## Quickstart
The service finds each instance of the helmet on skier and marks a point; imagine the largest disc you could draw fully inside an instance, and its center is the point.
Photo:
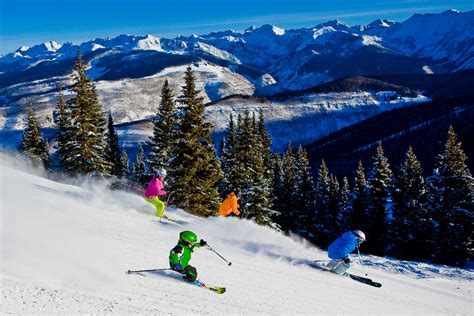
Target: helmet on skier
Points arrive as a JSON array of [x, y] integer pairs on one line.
[[161, 172], [187, 237], [359, 235]]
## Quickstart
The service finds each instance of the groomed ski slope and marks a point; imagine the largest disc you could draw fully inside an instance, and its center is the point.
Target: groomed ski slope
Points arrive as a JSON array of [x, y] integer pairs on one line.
[[64, 249]]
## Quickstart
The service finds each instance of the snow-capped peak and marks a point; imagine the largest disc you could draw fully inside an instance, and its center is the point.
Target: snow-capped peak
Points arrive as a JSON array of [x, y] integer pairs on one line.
[[149, 42]]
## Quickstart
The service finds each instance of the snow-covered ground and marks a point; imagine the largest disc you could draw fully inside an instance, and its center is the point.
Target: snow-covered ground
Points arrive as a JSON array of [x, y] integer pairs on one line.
[[65, 248]]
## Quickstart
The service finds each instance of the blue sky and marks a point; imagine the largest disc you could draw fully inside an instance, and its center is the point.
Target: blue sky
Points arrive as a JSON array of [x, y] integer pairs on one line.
[[29, 22]]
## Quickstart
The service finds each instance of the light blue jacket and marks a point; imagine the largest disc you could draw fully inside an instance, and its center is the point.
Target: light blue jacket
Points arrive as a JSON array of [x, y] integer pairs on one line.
[[343, 246]]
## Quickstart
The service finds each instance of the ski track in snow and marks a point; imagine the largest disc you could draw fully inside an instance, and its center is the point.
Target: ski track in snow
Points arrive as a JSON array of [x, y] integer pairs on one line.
[[65, 249]]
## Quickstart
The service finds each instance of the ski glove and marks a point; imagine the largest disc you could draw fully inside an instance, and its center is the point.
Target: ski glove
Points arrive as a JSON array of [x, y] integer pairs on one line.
[[178, 267], [203, 242], [347, 260]]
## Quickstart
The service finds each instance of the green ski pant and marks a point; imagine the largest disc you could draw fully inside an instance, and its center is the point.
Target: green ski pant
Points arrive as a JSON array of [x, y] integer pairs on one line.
[[160, 205]]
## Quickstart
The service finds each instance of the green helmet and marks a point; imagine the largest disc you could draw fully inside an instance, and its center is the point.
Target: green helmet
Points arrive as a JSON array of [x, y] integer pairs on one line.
[[187, 237]]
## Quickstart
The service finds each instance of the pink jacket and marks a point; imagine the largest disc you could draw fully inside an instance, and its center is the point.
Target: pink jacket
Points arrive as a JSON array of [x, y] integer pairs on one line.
[[155, 188]]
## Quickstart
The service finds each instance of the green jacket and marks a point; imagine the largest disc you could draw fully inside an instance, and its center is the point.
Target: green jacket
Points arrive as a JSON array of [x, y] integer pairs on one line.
[[181, 254]]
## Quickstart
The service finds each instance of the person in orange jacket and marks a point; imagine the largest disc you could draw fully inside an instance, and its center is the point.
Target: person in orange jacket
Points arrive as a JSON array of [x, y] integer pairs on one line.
[[229, 205]]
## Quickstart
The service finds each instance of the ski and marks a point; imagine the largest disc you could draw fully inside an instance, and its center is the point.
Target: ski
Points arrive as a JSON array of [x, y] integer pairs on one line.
[[364, 280], [173, 220], [352, 276], [216, 289]]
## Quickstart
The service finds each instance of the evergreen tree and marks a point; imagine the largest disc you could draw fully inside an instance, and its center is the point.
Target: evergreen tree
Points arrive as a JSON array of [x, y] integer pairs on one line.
[[304, 201], [33, 143], [125, 164], [288, 214], [380, 186], [113, 150], [411, 225], [85, 150], [249, 174], [196, 168], [139, 171], [452, 204], [228, 156], [324, 217], [277, 187], [357, 219], [162, 144], [345, 206], [63, 136], [266, 143], [332, 221]]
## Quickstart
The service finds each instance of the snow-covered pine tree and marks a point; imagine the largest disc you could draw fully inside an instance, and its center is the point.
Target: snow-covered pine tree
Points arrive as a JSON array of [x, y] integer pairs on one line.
[[162, 144], [277, 186], [196, 169], [322, 230], [249, 172], [228, 156], [452, 204], [113, 149], [259, 194], [304, 201], [34, 146], [266, 145], [288, 215], [343, 220], [62, 121], [380, 181], [125, 164], [357, 219], [411, 226], [139, 171], [86, 145]]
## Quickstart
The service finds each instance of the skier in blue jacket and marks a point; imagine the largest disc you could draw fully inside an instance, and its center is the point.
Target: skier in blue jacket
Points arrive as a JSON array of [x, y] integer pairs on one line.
[[340, 249]]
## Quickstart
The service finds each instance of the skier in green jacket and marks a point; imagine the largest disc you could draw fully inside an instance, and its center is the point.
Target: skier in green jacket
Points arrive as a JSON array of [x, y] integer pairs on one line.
[[180, 255]]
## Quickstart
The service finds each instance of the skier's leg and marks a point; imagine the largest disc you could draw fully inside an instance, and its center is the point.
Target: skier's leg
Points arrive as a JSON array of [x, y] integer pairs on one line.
[[190, 273], [343, 266], [159, 205]]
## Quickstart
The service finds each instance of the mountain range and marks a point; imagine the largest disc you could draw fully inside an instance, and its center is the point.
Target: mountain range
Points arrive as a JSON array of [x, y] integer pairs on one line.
[[310, 78]]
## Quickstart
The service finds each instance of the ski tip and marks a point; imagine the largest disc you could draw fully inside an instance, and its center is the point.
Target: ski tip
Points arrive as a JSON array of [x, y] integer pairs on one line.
[[219, 290], [127, 272]]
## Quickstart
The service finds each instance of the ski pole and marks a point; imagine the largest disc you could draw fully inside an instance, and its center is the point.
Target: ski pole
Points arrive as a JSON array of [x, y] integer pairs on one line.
[[360, 261], [150, 270], [168, 199], [209, 247]]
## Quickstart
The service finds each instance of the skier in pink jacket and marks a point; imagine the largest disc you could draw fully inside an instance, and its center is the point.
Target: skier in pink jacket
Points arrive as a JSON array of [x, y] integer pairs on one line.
[[154, 190]]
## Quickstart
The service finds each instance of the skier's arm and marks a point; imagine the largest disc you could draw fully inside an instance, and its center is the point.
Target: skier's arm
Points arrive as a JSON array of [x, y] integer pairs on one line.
[[175, 255], [201, 243]]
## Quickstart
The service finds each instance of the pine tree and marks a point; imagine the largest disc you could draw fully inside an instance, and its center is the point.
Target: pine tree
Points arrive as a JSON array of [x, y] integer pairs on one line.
[[332, 221], [228, 156], [62, 113], [345, 206], [266, 145], [33, 143], [249, 174], [357, 219], [139, 170], [277, 187], [452, 204], [196, 168], [304, 201], [86, 146], [411, 225], [162, 144], [287, 216], [323, 231], [378, 211], [125, 164], [113, 150]]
